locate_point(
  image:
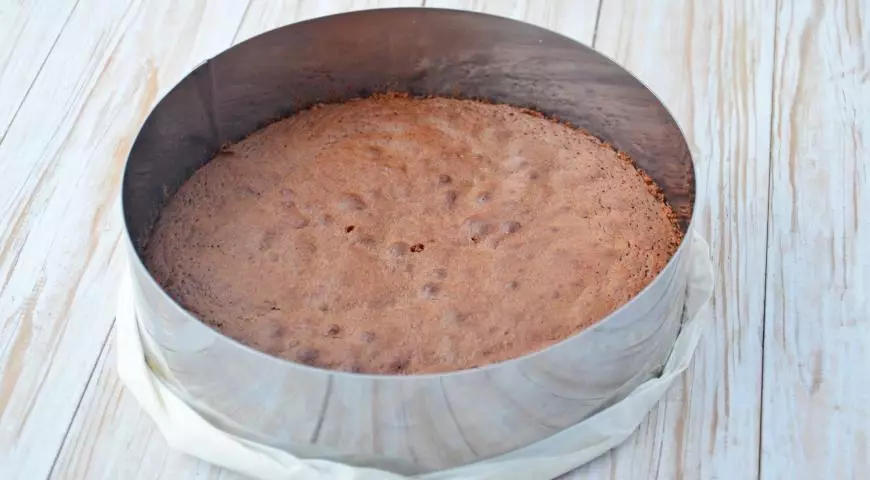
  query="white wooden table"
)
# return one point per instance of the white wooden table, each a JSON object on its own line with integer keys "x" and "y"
{"x": 774, "y": 95}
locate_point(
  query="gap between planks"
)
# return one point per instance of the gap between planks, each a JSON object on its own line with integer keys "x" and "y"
{"x": 770, "y": 173}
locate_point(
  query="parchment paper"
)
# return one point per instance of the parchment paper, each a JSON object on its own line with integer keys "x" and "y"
{"x": 186, "y": 431}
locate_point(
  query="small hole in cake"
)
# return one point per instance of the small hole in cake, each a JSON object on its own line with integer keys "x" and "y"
{"x": 276, "y": 331}
{"x": 349, "y": 228}
{"x": 307, "y": 355}
{"x": 350, "y": 202}
{"x": 399, "y": 365}
{"x": 430, "y": 290}
{"x": 365, "y": 240}
{"x": 288, "y": 197}
{"x": 476, "y": 228}
{"x": 453, "y": 316}
{"x": 417, "y": 248}
{"x": 449, "y": 198}
{"x": 397, "y": 249}
{"x": 333, "y": 330}
{"x": 508, "y": 228}
{"x": 299, "y": 222}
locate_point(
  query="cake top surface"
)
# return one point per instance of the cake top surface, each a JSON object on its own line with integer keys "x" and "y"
{"x": 397, "y": 235}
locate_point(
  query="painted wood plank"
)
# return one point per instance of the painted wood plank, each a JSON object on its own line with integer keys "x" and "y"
{"x": 28, "y": 32}
{"x": 816, "y": 401}
{"x": 36, "y": 296}
{"x": 112, "y": 438}
{"x": 711, "y": 63}
{"x": 59, "y": 258}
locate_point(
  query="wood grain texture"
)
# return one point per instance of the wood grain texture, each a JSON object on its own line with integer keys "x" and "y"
{"x": 816, "y": 398}
{"x": 28, "y": 33}
{"x": 113, "y": 438}
{"x": 712, "y": 65}
{"x": 47, "y": 347}
{"x": 58, "y": 262}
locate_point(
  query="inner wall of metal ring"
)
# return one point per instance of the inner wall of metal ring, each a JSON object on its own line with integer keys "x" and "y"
{"x": 421, "y": 52}
{"x": 415, "y": 423}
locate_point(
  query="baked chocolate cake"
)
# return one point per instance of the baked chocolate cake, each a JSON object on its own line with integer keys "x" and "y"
{"x": 400, "y": 235}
